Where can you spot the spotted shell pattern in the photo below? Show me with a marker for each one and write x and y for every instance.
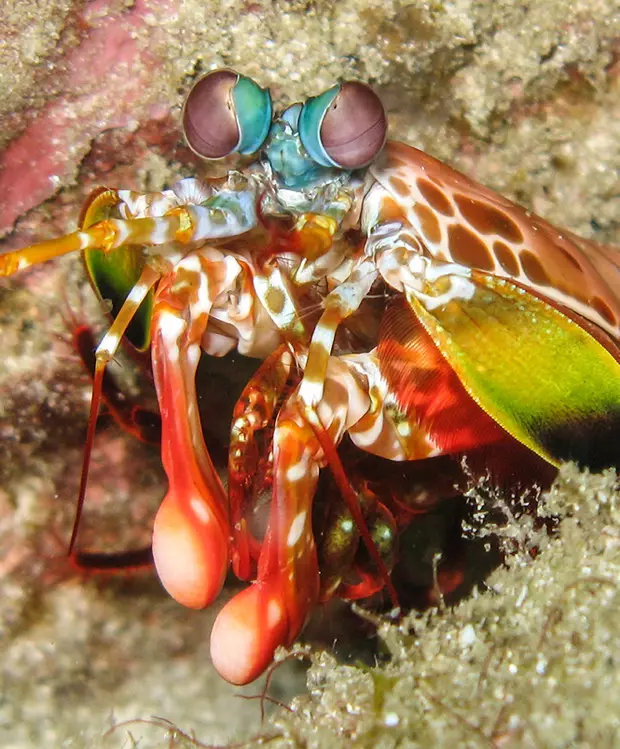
(464, 222)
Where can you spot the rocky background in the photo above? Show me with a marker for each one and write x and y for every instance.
(524, 97)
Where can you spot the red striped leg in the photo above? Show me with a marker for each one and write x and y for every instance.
(142, 423)
(105, 353)
(249, 469)
(272, 611)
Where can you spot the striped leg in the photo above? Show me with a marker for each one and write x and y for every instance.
(225, 214)
(339, 304)
(142, 423)
(105, 352)
(250, 444)
(272, 611)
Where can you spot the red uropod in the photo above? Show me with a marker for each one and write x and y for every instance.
(399, 309)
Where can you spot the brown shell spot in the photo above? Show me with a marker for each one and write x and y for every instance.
(391, 210)
(396, 160)
(506, 258)
(274, 300)
(428, 222)
(468, 249)
(488, 220)
(435, 197)
(400, 187)
(533, 268)
(604, 310)
(571, 259)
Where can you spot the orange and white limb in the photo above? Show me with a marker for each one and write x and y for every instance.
(105, 353)
(272, 611)
(191, 532)
(253, 417)
(161, 220)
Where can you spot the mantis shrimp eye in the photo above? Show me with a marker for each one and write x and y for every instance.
(344, 126)
(226, 113)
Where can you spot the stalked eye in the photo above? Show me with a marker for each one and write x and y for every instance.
(344, 127)
(226, 113)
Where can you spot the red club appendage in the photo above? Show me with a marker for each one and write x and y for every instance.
(191, 531)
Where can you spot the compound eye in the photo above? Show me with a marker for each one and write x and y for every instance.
(345, 126)
(226, 113)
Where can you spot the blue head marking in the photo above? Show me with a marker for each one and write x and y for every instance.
(289, 160)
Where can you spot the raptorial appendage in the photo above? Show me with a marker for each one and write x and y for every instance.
(402, 314)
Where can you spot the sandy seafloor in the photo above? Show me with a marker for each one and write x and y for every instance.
(525, 97)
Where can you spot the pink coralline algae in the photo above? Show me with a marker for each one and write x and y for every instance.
(106, 81)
